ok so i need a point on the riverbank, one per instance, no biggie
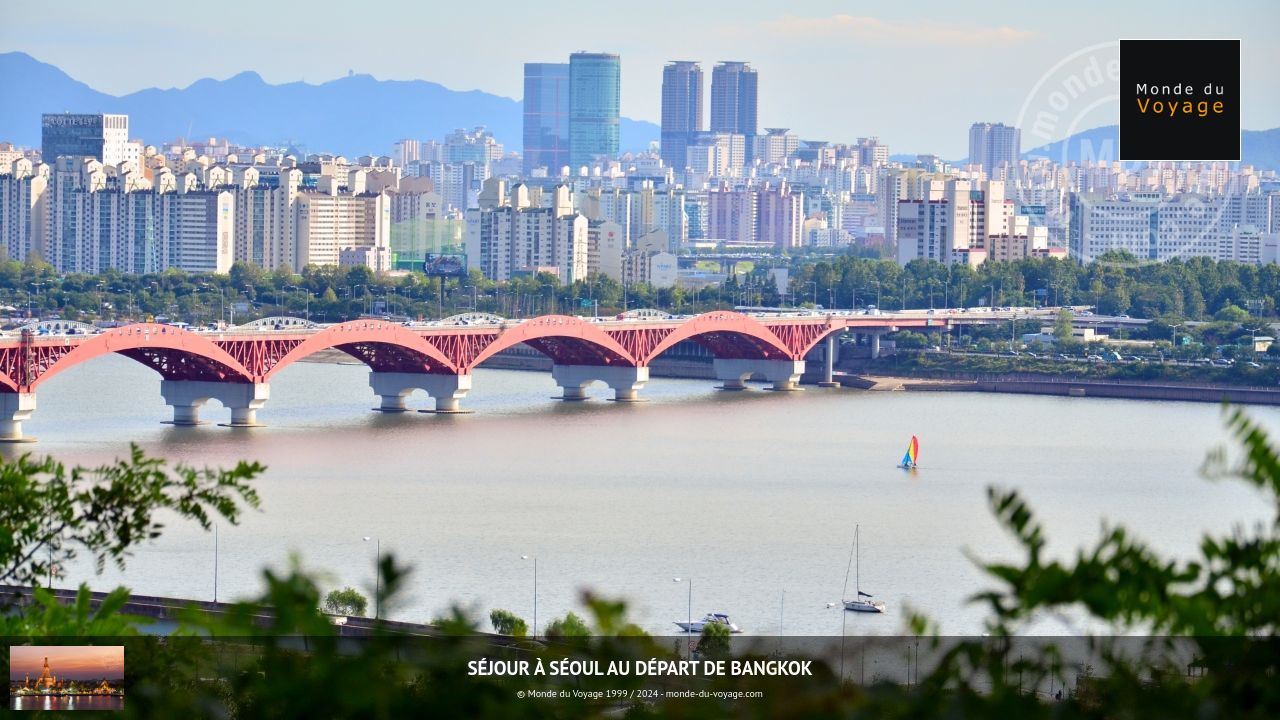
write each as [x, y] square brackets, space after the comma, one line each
[894, 376]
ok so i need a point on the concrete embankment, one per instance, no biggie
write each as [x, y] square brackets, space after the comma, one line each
[863, 378]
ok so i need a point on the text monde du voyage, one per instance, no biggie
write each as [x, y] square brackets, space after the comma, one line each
[1181, 99]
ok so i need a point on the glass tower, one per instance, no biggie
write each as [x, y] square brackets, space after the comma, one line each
[595, 81]
[734, 101]
[681, 110]
[546, 116]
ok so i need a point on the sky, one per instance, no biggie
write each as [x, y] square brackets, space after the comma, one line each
[916, 74]
[72, 662]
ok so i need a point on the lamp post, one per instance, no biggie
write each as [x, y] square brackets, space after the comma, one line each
[215, 562]
[815, 293]
[534, 558]
[377, 588]
[689, 626]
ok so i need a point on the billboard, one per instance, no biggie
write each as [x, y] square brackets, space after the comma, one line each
[445, 265]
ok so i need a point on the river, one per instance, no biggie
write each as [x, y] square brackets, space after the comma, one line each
[754, 496]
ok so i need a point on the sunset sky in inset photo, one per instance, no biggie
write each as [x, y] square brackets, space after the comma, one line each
[67, 662]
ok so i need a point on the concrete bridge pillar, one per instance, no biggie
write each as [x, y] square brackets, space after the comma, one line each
[626, 381]
[875, 345]
[394, 388]
[734, 373]
[188, 396]
[829, 362]
[14, 409]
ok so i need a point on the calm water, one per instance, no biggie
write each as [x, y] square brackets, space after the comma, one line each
[753, 495]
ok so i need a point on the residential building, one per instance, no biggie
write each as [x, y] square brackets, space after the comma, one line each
[681, 110]
[994, 145]
[734, 101]
[507, 234]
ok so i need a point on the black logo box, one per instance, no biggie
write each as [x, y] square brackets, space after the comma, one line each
[1185, 65]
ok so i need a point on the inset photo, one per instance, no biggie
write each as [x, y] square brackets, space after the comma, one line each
[66, 677]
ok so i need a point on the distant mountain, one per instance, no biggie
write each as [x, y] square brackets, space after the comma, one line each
[353, 115]
[1259, 148]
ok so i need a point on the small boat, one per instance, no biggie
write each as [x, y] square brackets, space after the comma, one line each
[913, 452]
[858, 603]
[708, 619]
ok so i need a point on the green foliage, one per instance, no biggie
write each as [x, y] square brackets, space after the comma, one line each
[1063, 326]
[570, 626]
[1232, 314]
[714, 641]
[50, 515]
[347, 601]
[506, 622]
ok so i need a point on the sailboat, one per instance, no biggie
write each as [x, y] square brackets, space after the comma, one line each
[858, 603]
[913, 452]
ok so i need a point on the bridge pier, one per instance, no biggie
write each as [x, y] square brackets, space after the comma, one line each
[394, 388]
[626, 381]
[829, 362]
[734, 372]
[14, 409]
[188, 396]
[875, 345]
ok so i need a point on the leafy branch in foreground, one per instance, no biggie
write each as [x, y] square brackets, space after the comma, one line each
[1232, 589]
[49, 515]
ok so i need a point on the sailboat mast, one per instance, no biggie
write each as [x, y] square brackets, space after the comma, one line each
[857, 578]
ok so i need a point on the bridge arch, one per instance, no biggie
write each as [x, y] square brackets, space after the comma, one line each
[566, 340]
[728, 335]
[382, 345]
[175, 353]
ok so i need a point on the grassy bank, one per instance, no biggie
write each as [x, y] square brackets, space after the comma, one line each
[963, 364]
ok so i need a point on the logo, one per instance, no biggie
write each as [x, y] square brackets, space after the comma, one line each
[1180, 100]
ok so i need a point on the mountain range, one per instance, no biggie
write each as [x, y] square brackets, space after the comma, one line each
[345, 116]
[353, 115]
[1259, 148]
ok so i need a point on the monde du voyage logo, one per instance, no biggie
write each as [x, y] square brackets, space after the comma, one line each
[1180, 99]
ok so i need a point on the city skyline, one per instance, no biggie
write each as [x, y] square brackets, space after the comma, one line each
[815, 61]
[70, 662]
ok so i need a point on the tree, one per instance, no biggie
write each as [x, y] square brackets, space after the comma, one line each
[506, 622]
[1063, 325]
[49, 515]
[714, 641]
[571, 626]
[347, 601]
[1232, 313]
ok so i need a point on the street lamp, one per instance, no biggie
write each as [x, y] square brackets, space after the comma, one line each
[689, 626]
[215, 562]
[535, 592]
[377, 588]
[815, 293]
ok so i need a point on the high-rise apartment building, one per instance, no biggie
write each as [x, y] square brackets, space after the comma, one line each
[22, 210]
[508, 233]
[104, 138]
[994, 145]
[681, 110]
[1159, 226]
[734, 102]
[595, 82]
[546, 117]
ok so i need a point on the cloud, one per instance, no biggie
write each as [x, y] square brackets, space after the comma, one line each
[870, 30]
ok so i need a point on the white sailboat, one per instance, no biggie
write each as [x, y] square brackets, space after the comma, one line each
[861, 601]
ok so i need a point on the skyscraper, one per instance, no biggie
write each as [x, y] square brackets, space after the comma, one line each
[734, 88]
[595, 81]
[546, 116]
[681, 110]
[991, 145]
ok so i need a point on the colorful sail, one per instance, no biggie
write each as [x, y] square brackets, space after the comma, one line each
[913, 452]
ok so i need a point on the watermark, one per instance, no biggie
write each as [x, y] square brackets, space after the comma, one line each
[1070, 118]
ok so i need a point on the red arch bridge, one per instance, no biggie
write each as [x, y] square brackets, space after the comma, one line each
[235, 365]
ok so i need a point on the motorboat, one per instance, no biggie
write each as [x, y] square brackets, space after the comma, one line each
[709, 619]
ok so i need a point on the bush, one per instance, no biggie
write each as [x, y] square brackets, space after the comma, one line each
[506, 622]
[347, 601]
